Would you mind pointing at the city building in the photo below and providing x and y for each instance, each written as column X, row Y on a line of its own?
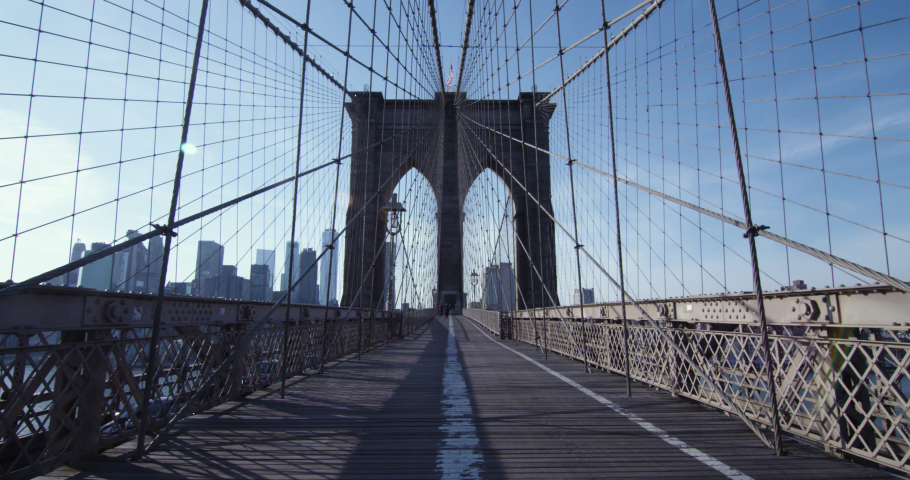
column 155, row 261
column 97, row 274
column 499, row 287
column 209, row 259
column 328, row 283
column 288, row 248
column 309, row 288
column 179, row 288
column 797, row 285
column 225, row 285
column 245, row 288
column 72, row 278
column 260, row 288
column 588, row 296
column 130, row 267
column 267, row 257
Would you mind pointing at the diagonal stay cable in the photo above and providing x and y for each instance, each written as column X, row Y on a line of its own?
column 258, row 324
column 51, row 274
column 432, row 6
column 307, row 28
column 256, row 13
column 825, row 257
column 601, row 52
column 565, row 50
column 527, row 253
column 649, row 321
column 340, row 327
column 464, row 43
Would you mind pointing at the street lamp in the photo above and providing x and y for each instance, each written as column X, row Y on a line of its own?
column 392, row 210
column 474, row 281
column 435, row 300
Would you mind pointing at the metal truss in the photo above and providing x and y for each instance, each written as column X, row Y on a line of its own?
column 74, row 361
column 866, row 306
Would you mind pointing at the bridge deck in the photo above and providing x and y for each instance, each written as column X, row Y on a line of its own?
column 422, row 409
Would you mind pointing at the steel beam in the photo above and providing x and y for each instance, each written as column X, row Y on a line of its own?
column 46, row 308
column 868, row 306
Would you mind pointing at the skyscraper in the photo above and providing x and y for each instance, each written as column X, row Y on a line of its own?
column 209, row 259
column 72, row 278
column 156, row 257
column 267, row 257
column 178, row 288
column 289, row 247
column 130, row 273
column 499, row 287
column 97, row 274
column 328, row 283
column 121, row 264
column 309, row 290
column 224, row 285
column 260, row 288
column 244, row 288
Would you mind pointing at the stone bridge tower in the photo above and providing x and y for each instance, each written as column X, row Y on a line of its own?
column 432, row 136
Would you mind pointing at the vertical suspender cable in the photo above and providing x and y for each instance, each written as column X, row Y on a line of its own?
column 151, row 366
column 751, row 232
column 331, row 247
column 578, row 246
column 622, row 277
column 546, row 322
column 287, row 311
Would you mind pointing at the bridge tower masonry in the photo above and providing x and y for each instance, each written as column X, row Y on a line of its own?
column 438, row 139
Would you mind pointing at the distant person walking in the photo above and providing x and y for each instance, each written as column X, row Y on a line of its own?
column 447, row 310
column 440, row 309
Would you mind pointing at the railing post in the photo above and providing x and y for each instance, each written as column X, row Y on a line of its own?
column 546, row 335
column 751, row 232
column 290, row 260
column 151, row 370
column 82, row 375
column 622, row 277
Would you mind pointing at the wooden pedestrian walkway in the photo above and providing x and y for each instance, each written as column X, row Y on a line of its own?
column 463, row 405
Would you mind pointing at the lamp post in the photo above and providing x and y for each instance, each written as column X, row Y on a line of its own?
column 474, row 281
column 435, row 300
column 393, row 210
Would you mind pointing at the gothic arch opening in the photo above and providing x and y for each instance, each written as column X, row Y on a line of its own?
column 489, row 244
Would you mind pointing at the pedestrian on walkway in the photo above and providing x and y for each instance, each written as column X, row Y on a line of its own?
column 440, row 309
column 447, row 310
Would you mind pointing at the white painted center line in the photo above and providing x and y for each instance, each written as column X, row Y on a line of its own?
column 459, row 455
column 708, row 460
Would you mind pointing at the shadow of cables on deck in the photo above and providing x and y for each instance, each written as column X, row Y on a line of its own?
column 400, row 440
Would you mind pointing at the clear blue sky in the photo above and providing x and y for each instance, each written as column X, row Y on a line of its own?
column 811, row 155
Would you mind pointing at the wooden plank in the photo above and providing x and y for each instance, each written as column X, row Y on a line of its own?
column 381, row 417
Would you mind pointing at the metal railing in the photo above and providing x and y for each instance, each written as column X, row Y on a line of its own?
column 843, row 388
column 489, row 319
column 70, row 392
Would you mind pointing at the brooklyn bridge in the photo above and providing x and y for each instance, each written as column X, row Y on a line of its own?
column 477, row 239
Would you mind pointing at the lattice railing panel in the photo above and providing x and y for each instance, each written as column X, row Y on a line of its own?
column 66, row 394
column 848, row 394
